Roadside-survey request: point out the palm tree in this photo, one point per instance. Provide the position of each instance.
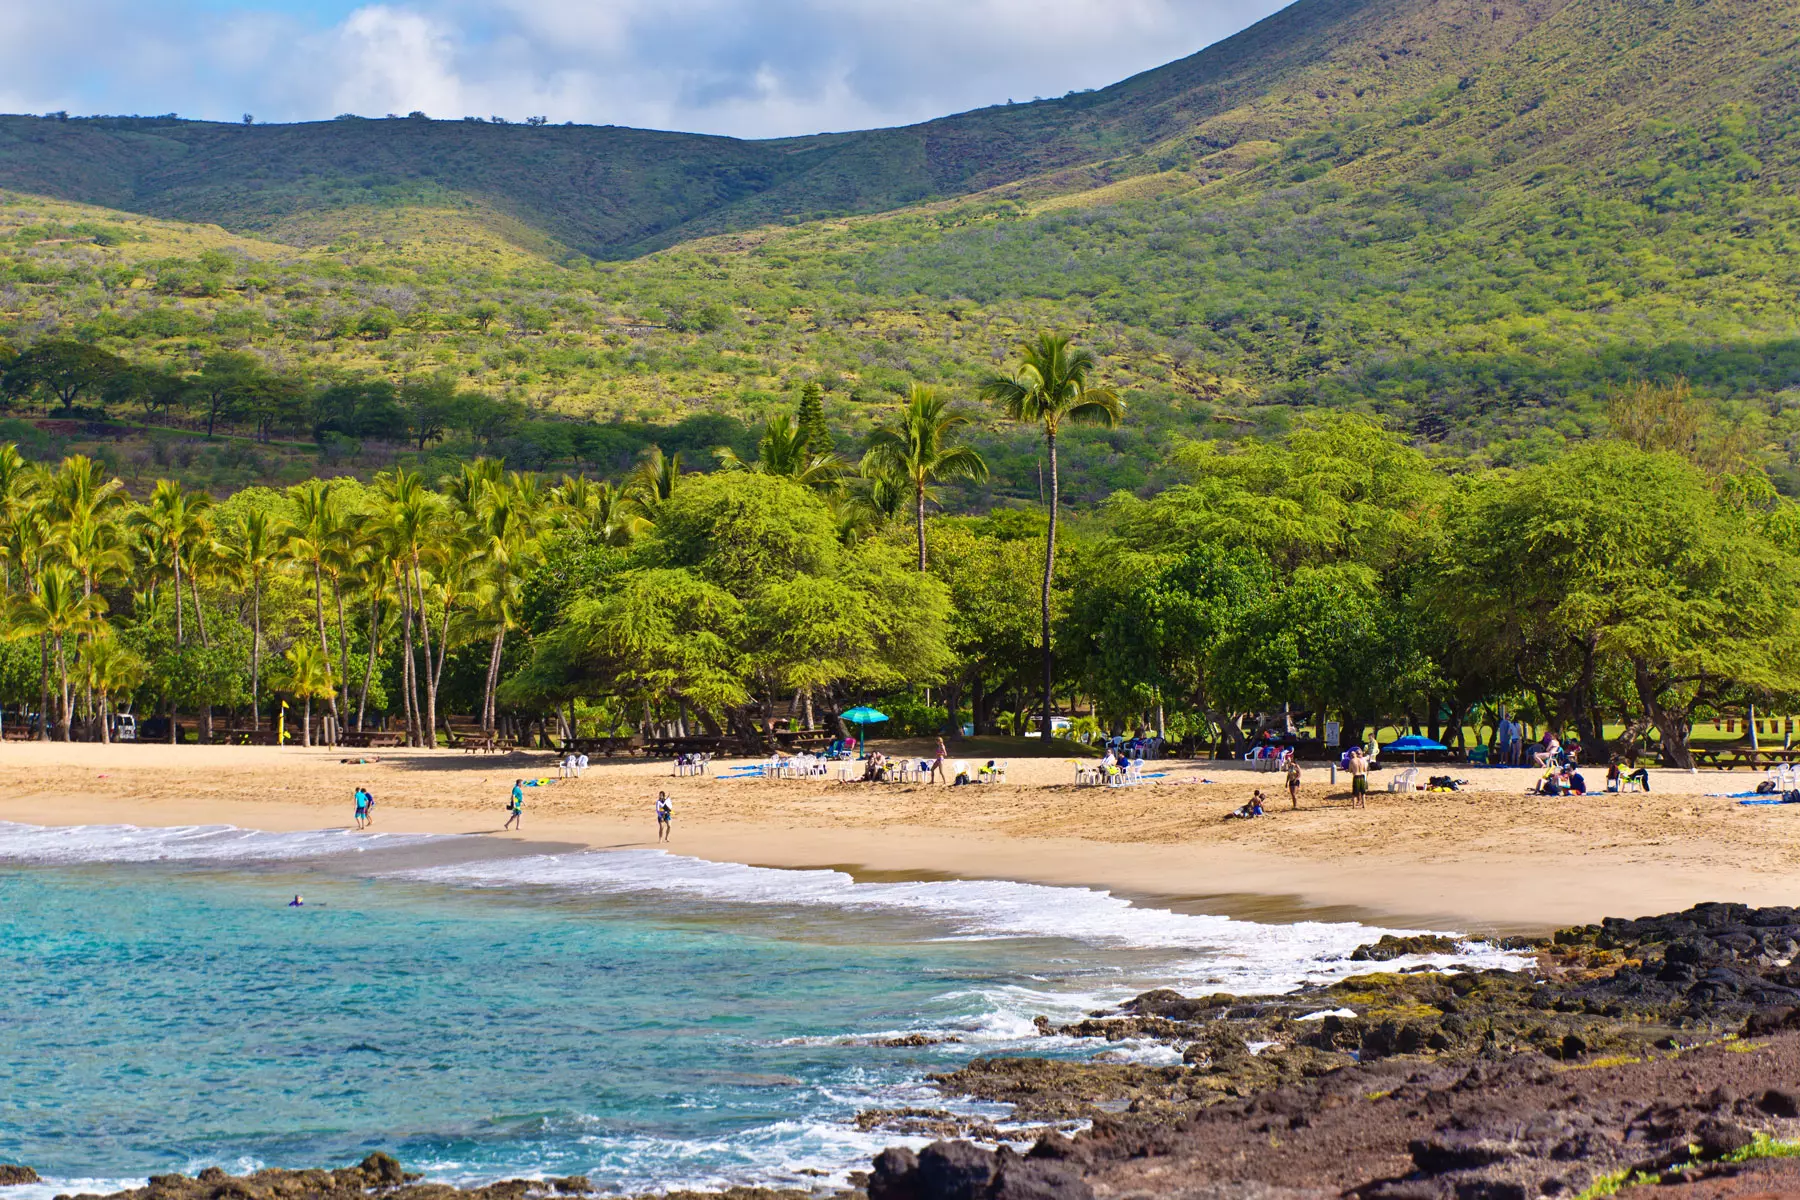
(314, 536)
(917, 451)
(654, 480)
(109, 667)
(309, 675)
(258, 544)
(413, 517)
(786, 450)
(1050, 386)
(172, 522)
(605, 512)
(59, 612)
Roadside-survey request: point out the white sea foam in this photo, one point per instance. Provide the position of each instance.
(184, 843)
(1193, 951)
(1209, 951)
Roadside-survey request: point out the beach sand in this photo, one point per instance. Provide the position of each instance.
(1489, 860)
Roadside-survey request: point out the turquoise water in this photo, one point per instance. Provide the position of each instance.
(644, 1019)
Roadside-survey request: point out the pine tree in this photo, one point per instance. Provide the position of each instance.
(812, 419)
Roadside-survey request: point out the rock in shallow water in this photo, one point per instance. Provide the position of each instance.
(12, 1174)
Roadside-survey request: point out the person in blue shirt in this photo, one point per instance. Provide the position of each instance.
(516, 806)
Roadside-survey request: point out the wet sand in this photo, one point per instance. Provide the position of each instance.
(1491, 859)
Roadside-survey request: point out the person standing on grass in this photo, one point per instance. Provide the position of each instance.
(1359, 776)
(1293, 782)
(516, 807)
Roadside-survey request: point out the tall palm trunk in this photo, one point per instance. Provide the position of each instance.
(1049, 572)
(430, 721)
(919, 517)
(337, 595)
(205, 641)
(62, 676)
(324, 647)
(493, 680)
(43, 688)
(410, 693)
(306, 729)
(256, 652)
(362, 699)
(180, 637)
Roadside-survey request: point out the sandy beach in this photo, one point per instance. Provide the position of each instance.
(1490, 859)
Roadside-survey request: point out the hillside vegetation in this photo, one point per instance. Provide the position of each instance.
(1477, 222)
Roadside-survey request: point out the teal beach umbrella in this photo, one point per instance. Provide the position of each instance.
(862, 717)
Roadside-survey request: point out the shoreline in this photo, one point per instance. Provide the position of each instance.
(1482, 862)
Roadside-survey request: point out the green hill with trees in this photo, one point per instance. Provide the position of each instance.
(1475, 223)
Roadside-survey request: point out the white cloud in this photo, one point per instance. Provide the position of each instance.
(753, 68)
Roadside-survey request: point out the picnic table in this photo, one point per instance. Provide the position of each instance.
(1730, 757)
(700, 744)
(607, 746)
(250, 737)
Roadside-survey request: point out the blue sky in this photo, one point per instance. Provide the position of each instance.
(748, 68)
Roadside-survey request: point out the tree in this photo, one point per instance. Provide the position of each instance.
(58, 611)
(653, 480)
(917, 452)
(225, 384)
(785, 450)
(258, 543)
(1622, 581)
(66, 369)
(430, 407)
(811, 419)
(309, 675)
(110, 668)
(1051, 386)
(316, 536)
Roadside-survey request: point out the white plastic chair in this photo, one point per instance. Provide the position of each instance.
(1404, 781)
(1000, 770)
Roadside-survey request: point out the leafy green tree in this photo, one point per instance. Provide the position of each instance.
(1615, 562)
(1144, 632)
(225, 385)
(63, 368)
(917, 452)
(1050, 387)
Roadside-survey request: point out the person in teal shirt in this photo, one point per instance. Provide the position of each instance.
(516, 807)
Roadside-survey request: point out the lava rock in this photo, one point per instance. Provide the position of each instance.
(13, 1174)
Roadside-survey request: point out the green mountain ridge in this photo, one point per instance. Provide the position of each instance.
(616, 192)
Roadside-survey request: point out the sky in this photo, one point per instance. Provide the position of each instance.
(746, 68)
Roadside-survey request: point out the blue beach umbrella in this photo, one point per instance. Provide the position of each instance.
(1413, 743)
(862, 717)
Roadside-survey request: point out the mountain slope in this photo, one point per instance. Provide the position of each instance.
(1475, 221)
(612, 192)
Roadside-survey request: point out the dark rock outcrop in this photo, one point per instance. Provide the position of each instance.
(964, 1171)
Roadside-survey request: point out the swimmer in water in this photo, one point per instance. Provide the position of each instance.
(296, 902)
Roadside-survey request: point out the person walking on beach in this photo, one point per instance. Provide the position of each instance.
(362, 811)
(1359, 776)
(938, 774)
(665, 817)
(1293, 783)
(516, 806)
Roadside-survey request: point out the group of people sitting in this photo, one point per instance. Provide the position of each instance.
(1564, 778)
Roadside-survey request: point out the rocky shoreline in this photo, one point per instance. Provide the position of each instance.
(1664, 1049)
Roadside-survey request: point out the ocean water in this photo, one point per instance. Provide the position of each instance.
(643, 1018)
